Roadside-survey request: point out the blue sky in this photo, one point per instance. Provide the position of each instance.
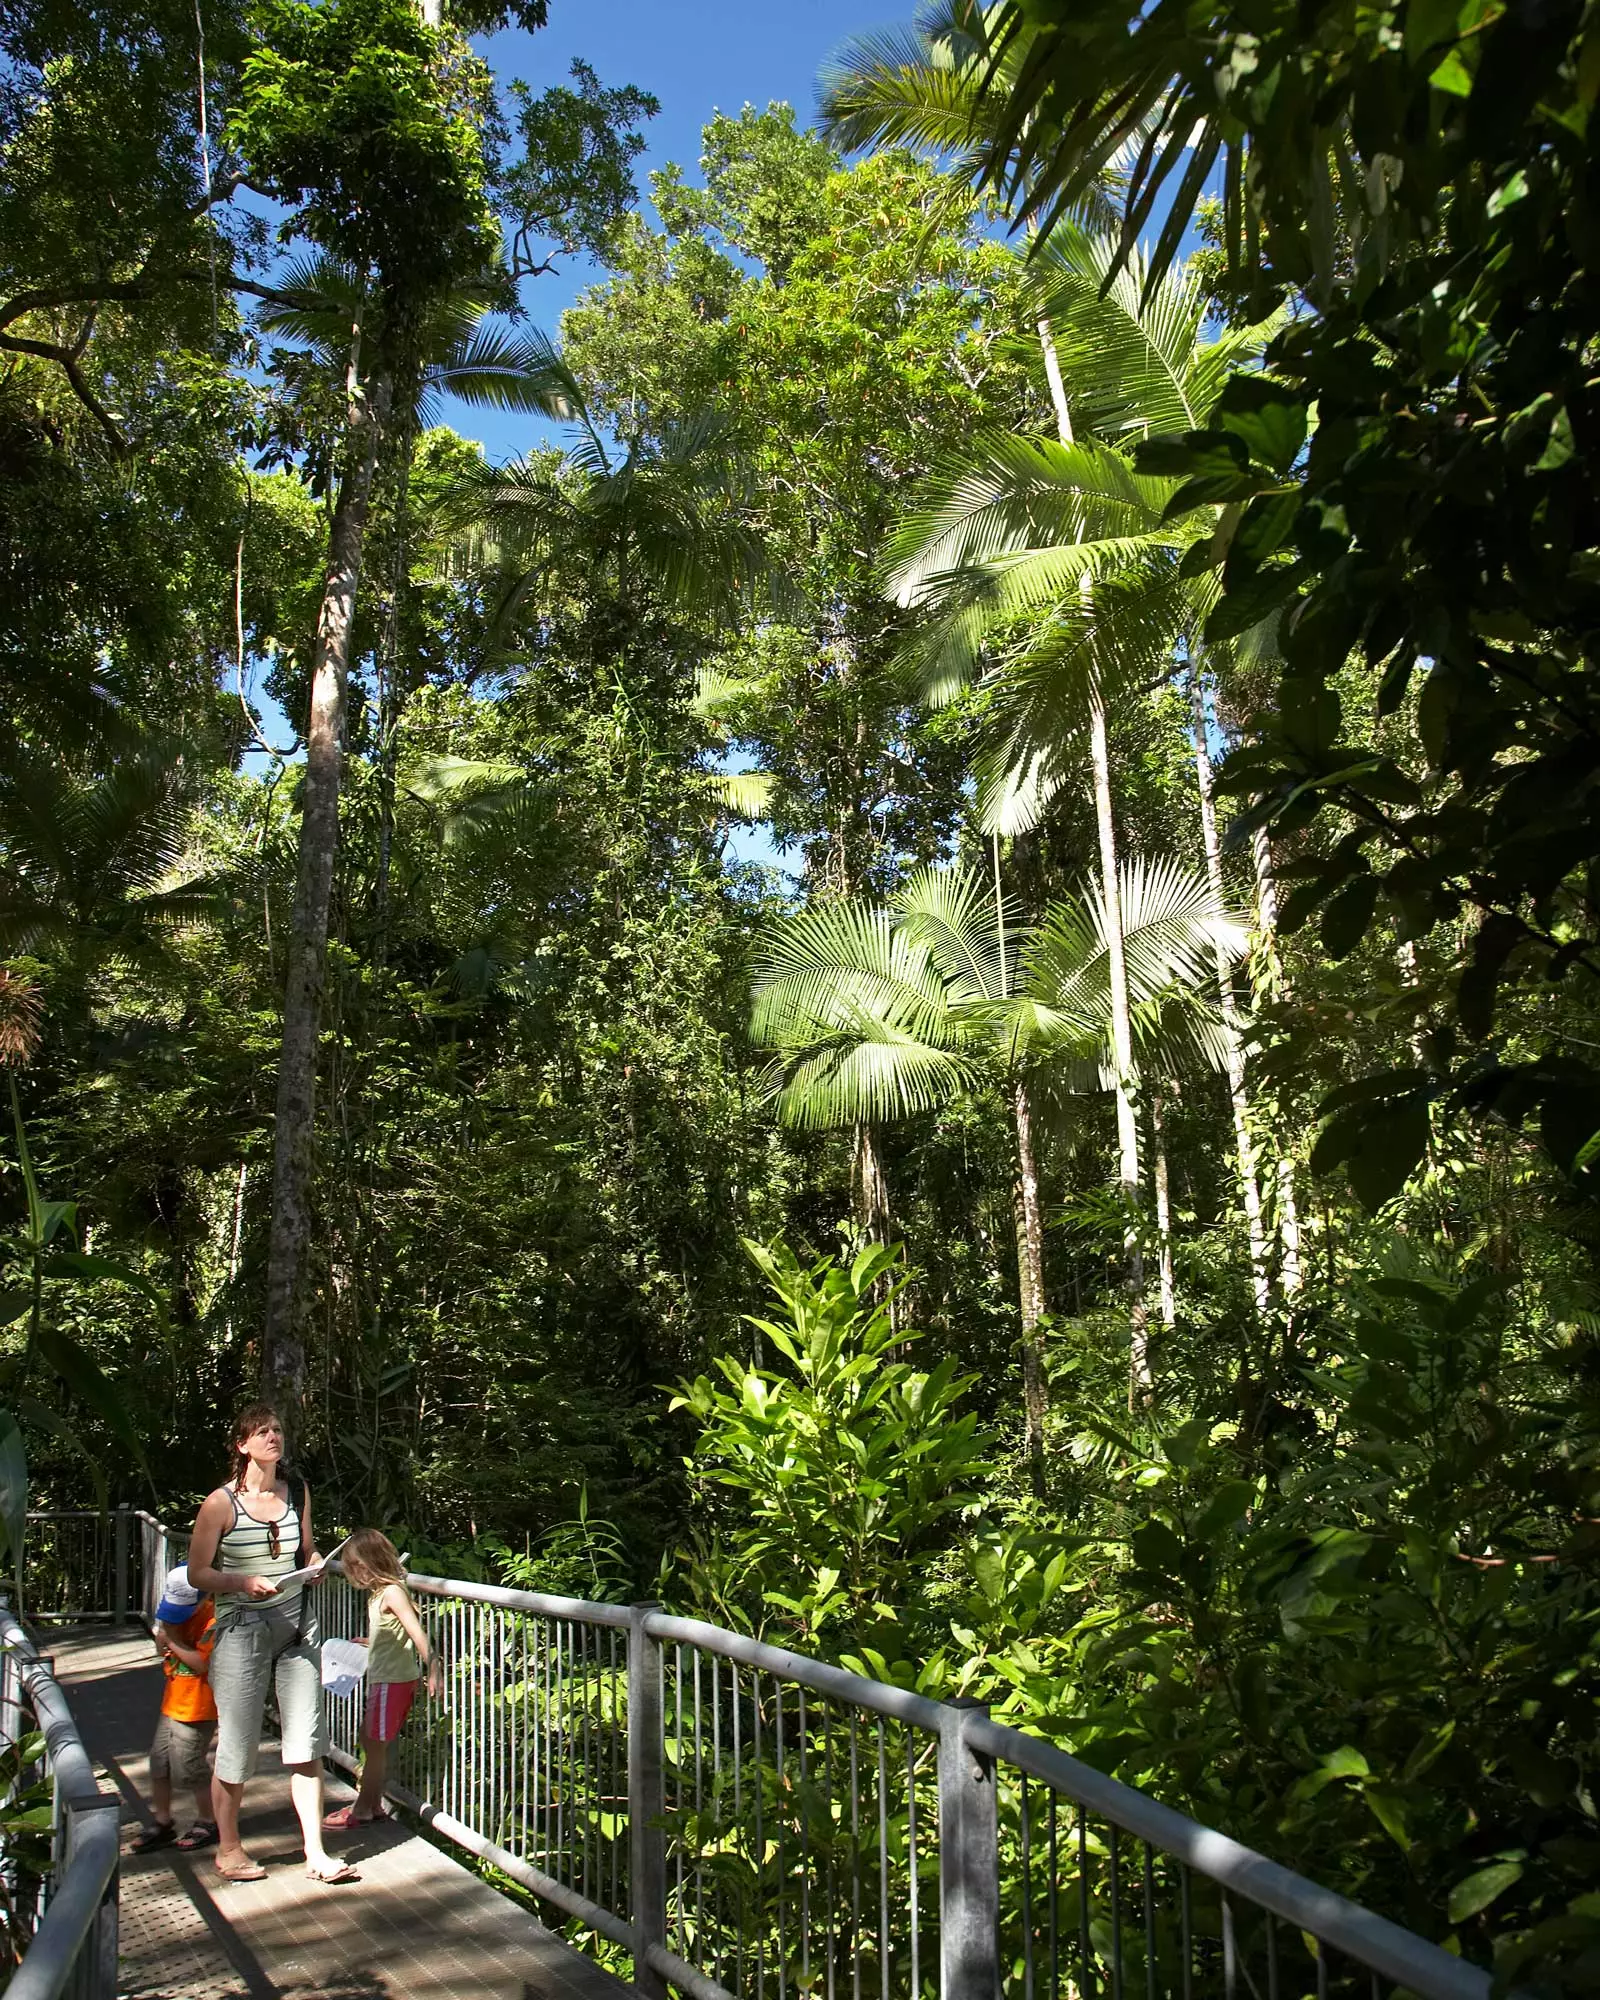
(696, 57)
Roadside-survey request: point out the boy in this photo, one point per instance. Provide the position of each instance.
(185, 1634)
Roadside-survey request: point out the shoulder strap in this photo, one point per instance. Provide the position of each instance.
(297, 1502)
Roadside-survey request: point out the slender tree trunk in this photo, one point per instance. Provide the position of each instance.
(1030, 1277)
(1121, 1013)
(283, 1342)
(1158, 1174)
(1288, 1208)
(872, 1186)
(1238, 1090)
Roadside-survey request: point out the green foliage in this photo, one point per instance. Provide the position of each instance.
(846, 1464)
(344, 112)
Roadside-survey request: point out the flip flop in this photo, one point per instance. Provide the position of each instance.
(201, 1834)
(343, 1818)
(163, 1834)
(339, 1871)
(252, 1871)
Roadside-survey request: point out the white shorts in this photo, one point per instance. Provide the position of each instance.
(280, 1648)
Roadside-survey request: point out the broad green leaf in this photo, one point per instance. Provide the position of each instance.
(83, 1376)
(1479, 1890)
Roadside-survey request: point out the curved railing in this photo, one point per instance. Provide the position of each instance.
(740, 1820)
(72, 1949)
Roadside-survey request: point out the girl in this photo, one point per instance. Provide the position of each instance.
(398, 1655)
(249, 1537)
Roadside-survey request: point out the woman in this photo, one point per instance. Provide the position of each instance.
(248, 1536)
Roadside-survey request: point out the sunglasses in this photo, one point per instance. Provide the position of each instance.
(274, 1544)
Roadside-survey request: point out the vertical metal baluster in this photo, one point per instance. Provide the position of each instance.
(761, 1842)
(1027, 1894)
(738, 1829)
(544, 1790)
(699, 1818)
(805, 1849)
(616, 1750)
(1377, 1989)
(561, 1722)
(883, 1866)
(1055, 1897)
(1150, 1923)
(911, 1859)
(591, 1820)
(783, 1853)
(1116, 1917)
(452, 1784)
(855, 1857)
(1322, 1970)
(479, 1822)
(677, 1789)
(1187, 1926)
(717, 1926)
(495, 1817)
(1272, 1960)
(524, 1697)
(1230, 1954)
(831, 1934)
(552, 1780)
(1085, 1942)
(469, 1731)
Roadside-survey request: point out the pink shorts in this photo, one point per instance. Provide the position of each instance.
(388, 1705)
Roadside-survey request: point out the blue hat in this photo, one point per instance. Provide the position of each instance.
(178, 1597)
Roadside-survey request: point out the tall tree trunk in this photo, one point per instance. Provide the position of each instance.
(871, 1185)
(1158, 1172)
(1238, 1090)
(1121, 1014)
(1128, 1176)
(1288, 1208)
(283, 1356)
(1030, 1225)
(1030, 1282)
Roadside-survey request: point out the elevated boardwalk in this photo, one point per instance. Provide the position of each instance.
(418, 1926)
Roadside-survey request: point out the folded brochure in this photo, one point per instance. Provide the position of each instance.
(311, 1569)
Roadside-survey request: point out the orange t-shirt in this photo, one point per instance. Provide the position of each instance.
(188, 1697)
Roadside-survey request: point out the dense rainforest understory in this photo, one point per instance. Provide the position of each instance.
(928, 980)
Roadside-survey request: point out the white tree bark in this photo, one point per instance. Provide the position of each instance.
(1158, 1171)
(1121, 1014)
(1238, 1090)
(1293, 1267)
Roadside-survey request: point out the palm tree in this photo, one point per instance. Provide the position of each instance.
(94, 862)
(1057, 549)
(666, 514)
(877, 1011)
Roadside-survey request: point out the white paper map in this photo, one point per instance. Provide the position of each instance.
(344, 1665)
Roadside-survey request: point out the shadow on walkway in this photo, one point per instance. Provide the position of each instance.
(418, 1926)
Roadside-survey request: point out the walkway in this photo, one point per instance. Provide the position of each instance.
(418, 1927)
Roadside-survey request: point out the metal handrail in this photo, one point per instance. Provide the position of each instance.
(525, 1771)
(75, 1942)
(1386, 1947)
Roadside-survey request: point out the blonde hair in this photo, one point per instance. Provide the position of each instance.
(252, 1418)
(371, 1560)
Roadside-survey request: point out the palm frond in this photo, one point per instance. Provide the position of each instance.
(747, 793)
(1172, 929)
(952, 911)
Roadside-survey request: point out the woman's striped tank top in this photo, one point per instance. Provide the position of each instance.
(246, 1548)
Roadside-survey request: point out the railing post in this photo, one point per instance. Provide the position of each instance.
(647, 1841)
(96, 1970)
(119, 1590)
(969, 1861)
